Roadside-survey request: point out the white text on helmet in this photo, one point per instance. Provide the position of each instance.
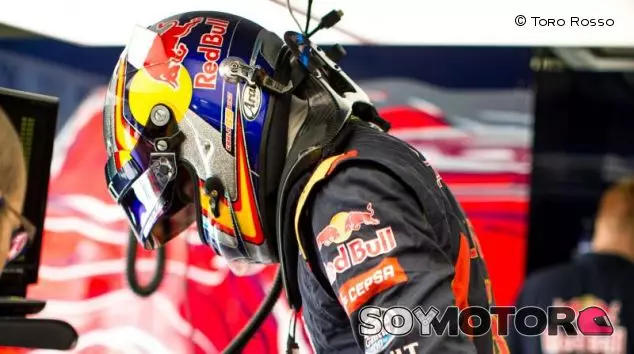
(228, 131)
(211, 46)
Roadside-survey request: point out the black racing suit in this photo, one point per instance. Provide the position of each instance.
(381, 228)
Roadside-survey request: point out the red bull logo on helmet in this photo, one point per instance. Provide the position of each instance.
(343, 224)
(167, 52)
(211, 46)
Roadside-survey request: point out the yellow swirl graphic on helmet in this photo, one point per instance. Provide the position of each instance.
(126, 137)
(145, 92)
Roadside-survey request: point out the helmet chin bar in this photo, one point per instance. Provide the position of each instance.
(197, 151)
(214, 188)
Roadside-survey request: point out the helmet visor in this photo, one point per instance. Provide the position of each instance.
(147, 197)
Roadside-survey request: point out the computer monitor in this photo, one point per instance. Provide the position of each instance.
(34, 117)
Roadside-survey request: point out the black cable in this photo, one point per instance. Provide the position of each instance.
(329, 20)
(291, 343)
(310, 7)
(130, 269)
(241, 340)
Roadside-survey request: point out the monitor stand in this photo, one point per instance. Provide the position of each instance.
(16, 330)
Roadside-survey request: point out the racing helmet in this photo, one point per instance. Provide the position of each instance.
(196, 121)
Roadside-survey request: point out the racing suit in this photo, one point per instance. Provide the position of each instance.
(377, 226)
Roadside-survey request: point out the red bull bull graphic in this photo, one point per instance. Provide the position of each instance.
(343, 224)
(167, 52)
(358, 250)
(211, 45)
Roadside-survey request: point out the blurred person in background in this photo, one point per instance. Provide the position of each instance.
(12, 191)
(604, 277)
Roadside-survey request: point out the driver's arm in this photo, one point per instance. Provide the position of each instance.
(391, 260)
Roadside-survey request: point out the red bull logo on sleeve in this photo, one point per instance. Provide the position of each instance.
(167, 52)
(343, 224)
(358, 250)
(211, 46)
(355, 251)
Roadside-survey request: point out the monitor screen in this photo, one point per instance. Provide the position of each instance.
(34, 118)
(582, 143)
